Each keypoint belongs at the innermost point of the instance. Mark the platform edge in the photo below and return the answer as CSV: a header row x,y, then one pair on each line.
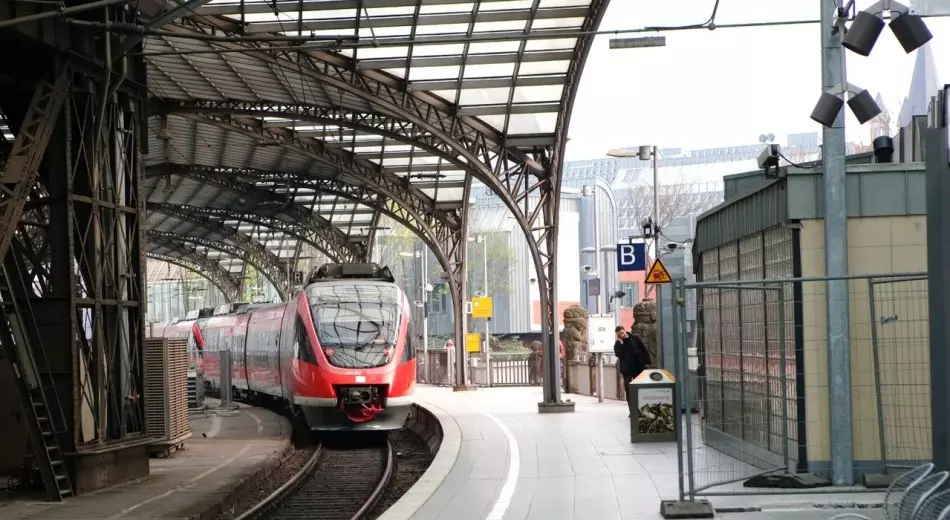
x,y
213,511
438,470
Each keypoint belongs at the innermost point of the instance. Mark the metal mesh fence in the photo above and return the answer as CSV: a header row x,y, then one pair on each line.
x,y
764,380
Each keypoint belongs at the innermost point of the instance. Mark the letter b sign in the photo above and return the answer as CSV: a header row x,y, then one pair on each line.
x,y
631,257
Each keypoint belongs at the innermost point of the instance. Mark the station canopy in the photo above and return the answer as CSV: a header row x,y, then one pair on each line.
x,y
280,124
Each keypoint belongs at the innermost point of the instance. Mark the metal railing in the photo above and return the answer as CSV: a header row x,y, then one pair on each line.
x,y
507,369
763,393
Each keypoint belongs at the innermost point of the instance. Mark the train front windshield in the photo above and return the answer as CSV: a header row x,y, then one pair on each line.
x,y
356,325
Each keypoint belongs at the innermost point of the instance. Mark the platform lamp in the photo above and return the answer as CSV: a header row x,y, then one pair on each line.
x,y
909,28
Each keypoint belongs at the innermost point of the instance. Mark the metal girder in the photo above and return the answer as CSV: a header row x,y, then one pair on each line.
x,y
274,273
392,187
207,269
288,228
382,125
434,227
546,242
276,204
255,253
29,147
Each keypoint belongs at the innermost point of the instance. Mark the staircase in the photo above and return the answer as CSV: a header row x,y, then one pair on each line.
x,y
37,394
41,405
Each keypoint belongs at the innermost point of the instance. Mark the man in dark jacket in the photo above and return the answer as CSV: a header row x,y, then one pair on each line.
x,y
632,357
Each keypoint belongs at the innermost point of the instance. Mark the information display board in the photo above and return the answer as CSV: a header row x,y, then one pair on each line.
x,y
600,333
473,342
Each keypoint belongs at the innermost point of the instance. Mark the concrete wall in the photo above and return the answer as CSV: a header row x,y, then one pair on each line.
x,y
876,245
13,437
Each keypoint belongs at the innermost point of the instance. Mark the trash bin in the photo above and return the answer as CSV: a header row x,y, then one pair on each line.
x,y
652,407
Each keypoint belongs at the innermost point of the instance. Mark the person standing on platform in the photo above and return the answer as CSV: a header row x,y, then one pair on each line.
x,y
632,357
450,362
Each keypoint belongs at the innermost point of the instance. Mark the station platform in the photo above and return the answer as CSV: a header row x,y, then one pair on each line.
x,y
501,459
224,450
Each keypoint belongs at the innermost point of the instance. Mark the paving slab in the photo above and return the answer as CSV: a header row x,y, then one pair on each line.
x,y
222,452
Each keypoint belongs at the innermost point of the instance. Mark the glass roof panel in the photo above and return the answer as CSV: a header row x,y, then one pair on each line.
x,y
550,44
532,123
460,7
454,28
454,49
417,74
402,10
374,53
513,25
545,67
539,93
484,96
493,47
495,70
500,6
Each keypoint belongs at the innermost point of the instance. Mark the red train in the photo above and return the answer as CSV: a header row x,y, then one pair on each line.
x,y
340,354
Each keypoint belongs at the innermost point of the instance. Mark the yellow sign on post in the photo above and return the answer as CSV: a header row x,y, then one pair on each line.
x,y
658,274
481,307
473,342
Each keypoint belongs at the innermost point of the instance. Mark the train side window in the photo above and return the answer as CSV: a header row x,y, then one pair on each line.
x,y
302,345
410,350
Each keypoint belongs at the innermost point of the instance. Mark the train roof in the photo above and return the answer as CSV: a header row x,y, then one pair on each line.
x,y
363,272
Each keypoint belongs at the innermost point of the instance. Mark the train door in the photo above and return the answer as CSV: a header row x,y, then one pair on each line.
x,y
283,364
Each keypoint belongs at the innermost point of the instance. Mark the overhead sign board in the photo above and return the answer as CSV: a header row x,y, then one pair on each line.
x,y
473,342
481,307
658,274
631,257
600,333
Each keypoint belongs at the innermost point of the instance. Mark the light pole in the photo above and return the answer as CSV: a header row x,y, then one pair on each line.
x,y
646,153
483,240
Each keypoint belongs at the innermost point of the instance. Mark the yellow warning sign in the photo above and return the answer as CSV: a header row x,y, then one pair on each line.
x,y
473,342
658,274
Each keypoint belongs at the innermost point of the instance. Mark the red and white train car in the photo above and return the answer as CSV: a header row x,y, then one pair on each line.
x,y
340,354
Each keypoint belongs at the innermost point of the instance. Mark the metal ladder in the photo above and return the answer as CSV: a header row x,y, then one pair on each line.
x,y
31,369
37,394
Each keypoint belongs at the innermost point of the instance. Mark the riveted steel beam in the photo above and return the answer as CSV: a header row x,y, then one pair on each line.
x,y
254,252
352,171
276,274
292,229
267,203
29,147
207,269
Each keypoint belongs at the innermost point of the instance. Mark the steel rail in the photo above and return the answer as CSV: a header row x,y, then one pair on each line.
x,y
279,497
285,489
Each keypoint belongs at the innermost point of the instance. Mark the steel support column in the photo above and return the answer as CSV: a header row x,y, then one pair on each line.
x,y
79,245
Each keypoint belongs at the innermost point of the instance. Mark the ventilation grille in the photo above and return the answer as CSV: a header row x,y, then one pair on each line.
x,y
166,387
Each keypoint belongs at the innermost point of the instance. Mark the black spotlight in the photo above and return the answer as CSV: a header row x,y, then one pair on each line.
x,y
911,31
864,107
827,109
884,149
863,33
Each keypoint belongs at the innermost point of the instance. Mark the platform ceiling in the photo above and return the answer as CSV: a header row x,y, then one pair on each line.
x,y
286,137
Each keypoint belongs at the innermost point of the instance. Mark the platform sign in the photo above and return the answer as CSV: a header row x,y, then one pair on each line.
x,y
593,287
631,257
600,333
481,307
658,274
473,342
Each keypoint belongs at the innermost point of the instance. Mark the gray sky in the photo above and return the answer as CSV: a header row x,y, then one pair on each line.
x,y
717,88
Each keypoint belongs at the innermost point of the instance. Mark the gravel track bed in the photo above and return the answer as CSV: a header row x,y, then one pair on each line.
x,y
264,487
412,459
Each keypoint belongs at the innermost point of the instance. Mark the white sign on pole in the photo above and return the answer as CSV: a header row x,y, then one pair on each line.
x,y
600,333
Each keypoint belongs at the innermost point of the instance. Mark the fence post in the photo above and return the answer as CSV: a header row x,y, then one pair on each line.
x,y
683,507
783,359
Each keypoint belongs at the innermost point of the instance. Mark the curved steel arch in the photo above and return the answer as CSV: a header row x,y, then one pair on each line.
x,y
446,242
292,229
252,248
320,226
382,125
344,163
274,274
207,269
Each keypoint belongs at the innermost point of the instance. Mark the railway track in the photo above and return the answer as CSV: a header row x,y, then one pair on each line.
x,y
334,484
